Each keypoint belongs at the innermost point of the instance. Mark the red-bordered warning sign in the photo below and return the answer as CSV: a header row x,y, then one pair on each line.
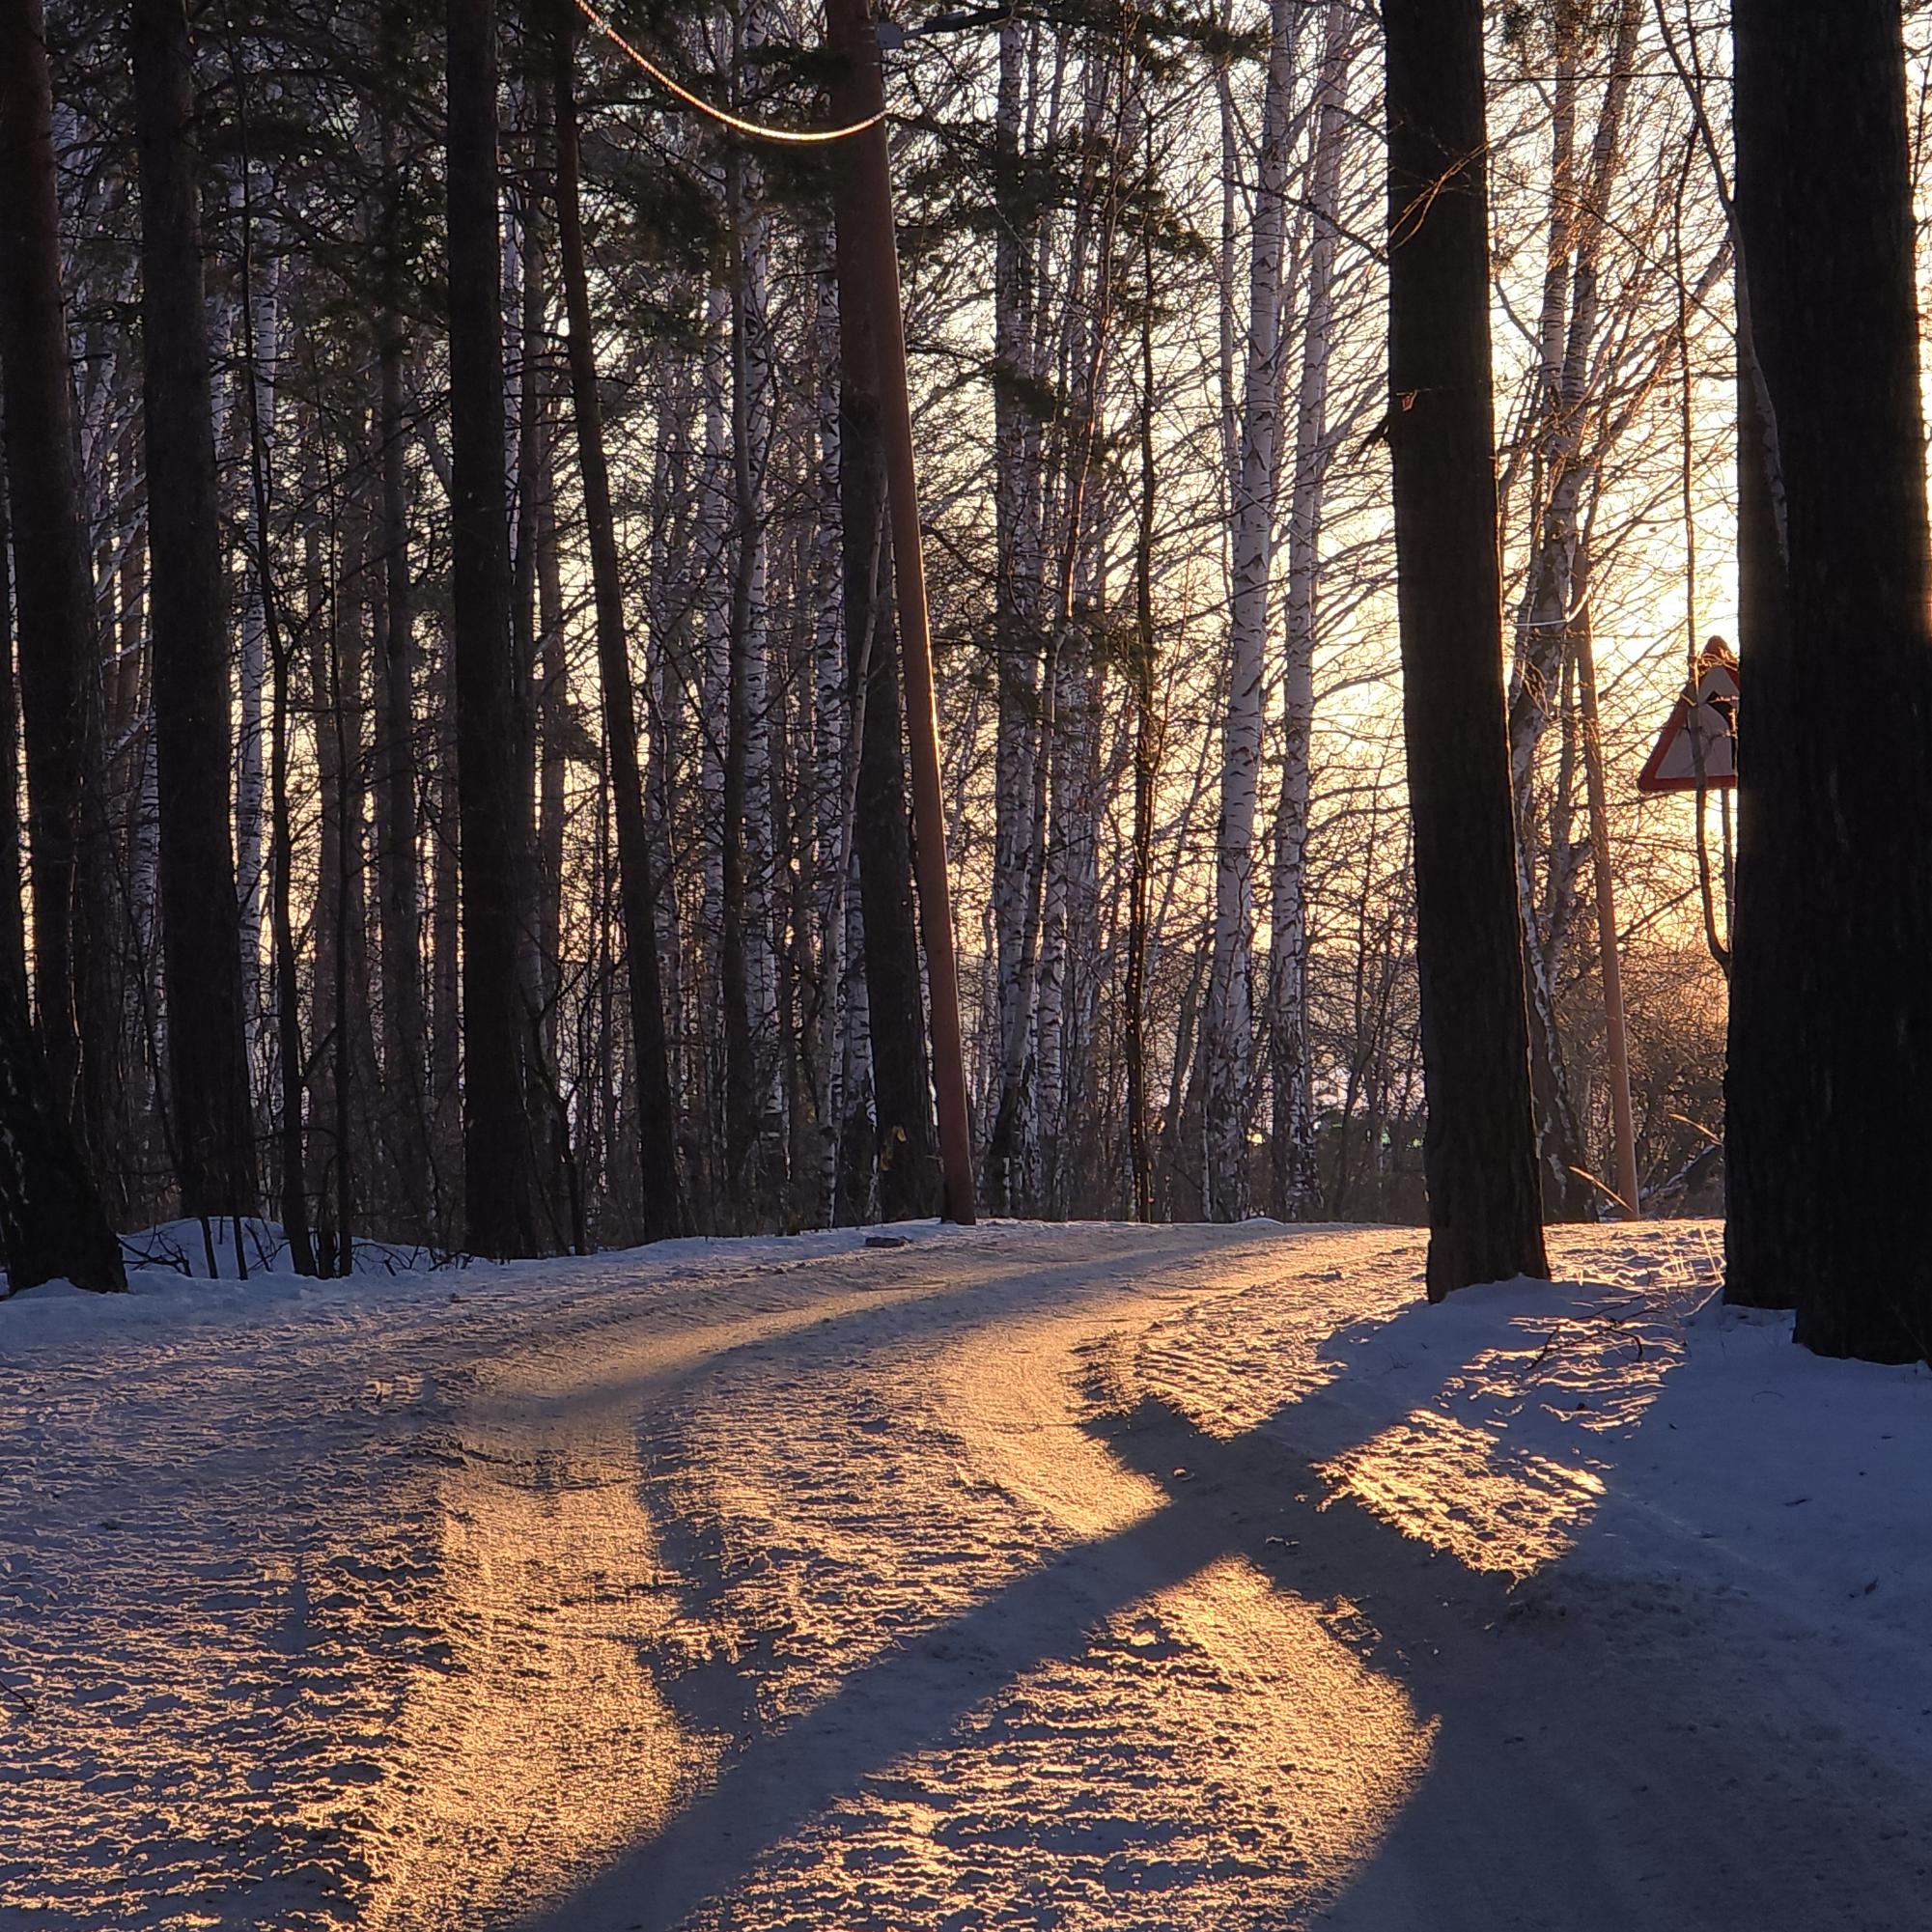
x,y
1699,744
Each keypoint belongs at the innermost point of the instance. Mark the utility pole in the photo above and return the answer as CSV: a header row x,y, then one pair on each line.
x,y
851,33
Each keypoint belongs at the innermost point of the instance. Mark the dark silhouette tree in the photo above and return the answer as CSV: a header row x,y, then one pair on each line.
x,y
58,641
53,1225
201,928
909,1176
51,1220
398,883
1479,1152
12,918
660,1197
499,1170
1829,1088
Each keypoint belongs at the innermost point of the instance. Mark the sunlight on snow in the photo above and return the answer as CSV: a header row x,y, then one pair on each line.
x,y
545,1547
1501,1467
1212,1755
1155,1735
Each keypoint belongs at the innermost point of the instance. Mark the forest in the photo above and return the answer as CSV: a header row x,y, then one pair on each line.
x,y
964,933
456,769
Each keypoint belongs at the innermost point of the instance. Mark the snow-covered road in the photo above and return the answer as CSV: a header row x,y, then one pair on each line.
x,y
1093,1577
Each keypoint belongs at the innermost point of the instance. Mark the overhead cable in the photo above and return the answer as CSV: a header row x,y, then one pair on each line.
x,y
755,130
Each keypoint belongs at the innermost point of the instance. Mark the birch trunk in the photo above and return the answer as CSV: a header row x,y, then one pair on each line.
x,y
752,436
1018,582
1554,604
1050,996
829,777
1292,1192
1147,749
745,776
261,369
714,609
1010,1175
669,594
1228,1019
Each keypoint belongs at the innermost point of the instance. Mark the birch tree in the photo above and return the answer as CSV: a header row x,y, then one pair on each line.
x,y
1228,1035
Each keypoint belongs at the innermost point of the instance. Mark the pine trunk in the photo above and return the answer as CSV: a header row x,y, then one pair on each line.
x,y
660,1194
58,642
1479,1150
907,1158
1830,1086
200,926
499,1178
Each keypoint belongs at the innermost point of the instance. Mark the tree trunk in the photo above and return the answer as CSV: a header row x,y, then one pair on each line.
x,y
445,921
1147,745
1479,1152
51,1224
1829,1084
712,598
500,1168
293,1136
554,719
1228,1023
58,641
533,434
13,906
908,1159
751,430
1555,611
741,951
1293,1190
660,1197
201,928
399,891
1018,404
833,772
262,325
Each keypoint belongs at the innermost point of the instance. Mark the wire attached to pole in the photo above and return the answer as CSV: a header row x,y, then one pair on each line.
x,y
756,130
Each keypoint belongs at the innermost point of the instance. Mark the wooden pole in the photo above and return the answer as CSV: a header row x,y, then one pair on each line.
x,y
853,33
1623,1129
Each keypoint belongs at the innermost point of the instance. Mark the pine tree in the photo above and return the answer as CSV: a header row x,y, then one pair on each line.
x,y
1479,1154
200,926
661,1195
499,1177
1830,1088
907,1135
58,642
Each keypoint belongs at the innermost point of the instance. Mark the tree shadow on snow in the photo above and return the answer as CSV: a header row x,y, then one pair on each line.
x,y
1592,1766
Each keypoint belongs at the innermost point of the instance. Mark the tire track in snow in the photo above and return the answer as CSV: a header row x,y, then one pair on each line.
x,y
984,1676
550,1743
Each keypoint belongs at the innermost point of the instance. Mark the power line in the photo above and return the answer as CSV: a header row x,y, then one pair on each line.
x,y
756,130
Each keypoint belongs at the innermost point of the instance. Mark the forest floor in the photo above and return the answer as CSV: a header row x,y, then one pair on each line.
x,y
1086,1576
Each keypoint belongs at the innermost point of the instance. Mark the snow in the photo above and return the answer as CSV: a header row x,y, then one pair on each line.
x,y
1088,1577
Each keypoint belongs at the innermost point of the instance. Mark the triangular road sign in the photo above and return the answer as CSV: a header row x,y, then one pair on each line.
x,y
1701,731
